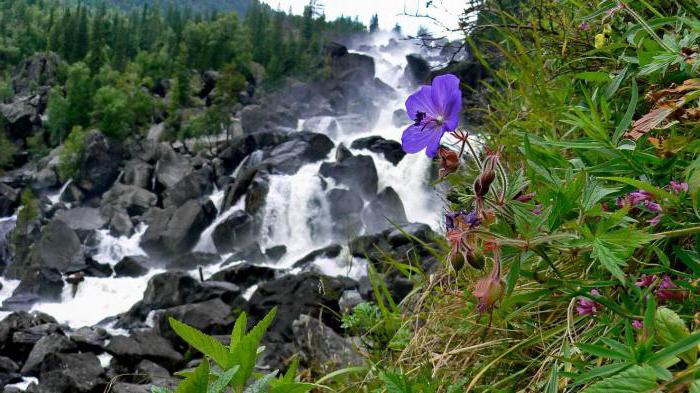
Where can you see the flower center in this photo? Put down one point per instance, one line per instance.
(440, 119)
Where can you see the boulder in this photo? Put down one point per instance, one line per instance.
(138, 173)
(331, 251)
(212, 317)
(342, 153)
(195, 185)
(170, 167)
(175, 231)
(417, 69)
(20, 116)
(9, 200)
(144, 345)
(209, 79)
(41, 69)
(18, 322)
(386, 208)
(256, 118)
(322, 349)
(392, 150)
(132, 266)
(71, 373)
(9, 371)
(294, 295)
(256, 196)
(100, 165)
(274, 254)
(133, 200)
(59, 247)
(302, 148)
(150, 372)
(170, 289)
(357, 172)
(345, 208)
(244, 275)
(335, 49)
(352, 67)
(235, 232)
(81, 219)
(90, 338)
(53, 343)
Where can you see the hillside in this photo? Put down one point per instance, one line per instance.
(197, 6)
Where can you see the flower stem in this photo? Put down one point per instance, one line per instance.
(679, 232)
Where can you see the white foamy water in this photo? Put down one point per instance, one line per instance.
(296, 214)
(55, 198)
(8, 286)
(96, 299)
(112, 249)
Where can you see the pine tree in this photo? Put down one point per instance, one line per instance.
(374, 24)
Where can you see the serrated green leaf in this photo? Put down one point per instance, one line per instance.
(261, 385)
(636, 379)
(203, 343)
(238, 331)
(608, 259)
(197, 382)
(658, 193)
(603, 352)
(245, 353)
(687, 344)
(222, 382)
(396, 383)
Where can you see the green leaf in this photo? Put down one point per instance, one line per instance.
(608, 259)
(203, 343)
(594, 192)
(687, 344)
(160, 389)
(636, 379)
(224, 379)
(593, 76)
(602, 352)
(261, 385)
(629, 114)
(245, 353)
(238, 331)
(396, 383)
(295, 387)
(197, 382)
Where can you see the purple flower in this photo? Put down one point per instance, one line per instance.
(652, 206)
(525, 198)
(584, 26)
(537, 210)
(461, 218)
(668, 290)
(679, 187)
(655, 221)
(640, 196)
(434, 110)
(587, 306)
(637, 324)
(645, 280)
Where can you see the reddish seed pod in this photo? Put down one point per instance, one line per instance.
(475, 260)
(483, 183)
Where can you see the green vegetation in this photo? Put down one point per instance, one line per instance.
(235, 362)
(585, 198)
(72, 154)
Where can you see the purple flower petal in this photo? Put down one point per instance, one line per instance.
(421, 101)
(417, 138)
(447, 97)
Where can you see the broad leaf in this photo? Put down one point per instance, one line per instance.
(262, 384)
(224, 379)
(636, 379)
(197, 382)
(203, 343)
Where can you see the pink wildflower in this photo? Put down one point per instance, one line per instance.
(587, 306)
(639, 196)
(668, 290)
(679, 187)
(637, 324)
(645, 280)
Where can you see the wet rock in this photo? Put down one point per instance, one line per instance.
(335, 49)
(120, 224)
(193, 260)
(322, 349)
(256, 118)
(331, 251)
(237, 189)
(144, 345)
(302, 148)
(358, 173)
(9, 371)
(421, 231)
(70, 373)
(53, 343)
(345, 209)
(176, 231)
(90, 338)
(349, 300)
(9, 200)
(192, 186)
(58, 248)
(237, 231)
(352, 67)
(138, 173)
(294, 295)
(125, 387)
(342, 153)
(274, 254)
(226, 291)
(386, 208)
(20, 116)
(134, 200)
(250, 253)
(256, 196)
(211, 317)
(132, 266)
(241, 147)
(96, 269)
(392, 150)
(170, 289)
(150, 372)
(244, 275)
(100, 165)
(37, 284)
(417, 69)
(170, 167)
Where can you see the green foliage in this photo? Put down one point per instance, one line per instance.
(7, 151)
(71, 156)
(112, 112)
(237, 362)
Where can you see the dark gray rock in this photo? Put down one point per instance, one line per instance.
(244, 275)
(321, 348)
(342, 153)
(331, 251)
(9, 200)
(138, 173)
(170, 289)
(193, 260)
(386, 208)
(18, 322)
(274, 254)
(192, 186)
(9, 372)
(53, 343)
(170, 167)
(352, 67)
(358, 173)
(256, 196)
(59, 247)
(176, 231)
(417, 69)
(211, 317)
(145, 345)
(131, 199)
(345, 208)
(100, 165)
(70, 373)
(41, 69)
(90, 338)
(82, 219)
(132, 266)
(400, 118)
(20, 116)
(237, 231)
(392, 150)
(306, 293)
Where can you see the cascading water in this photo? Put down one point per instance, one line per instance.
(296, 215)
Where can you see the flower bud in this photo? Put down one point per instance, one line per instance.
(457, 260)
(449, 161)
(483, 183)
(476, 260)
